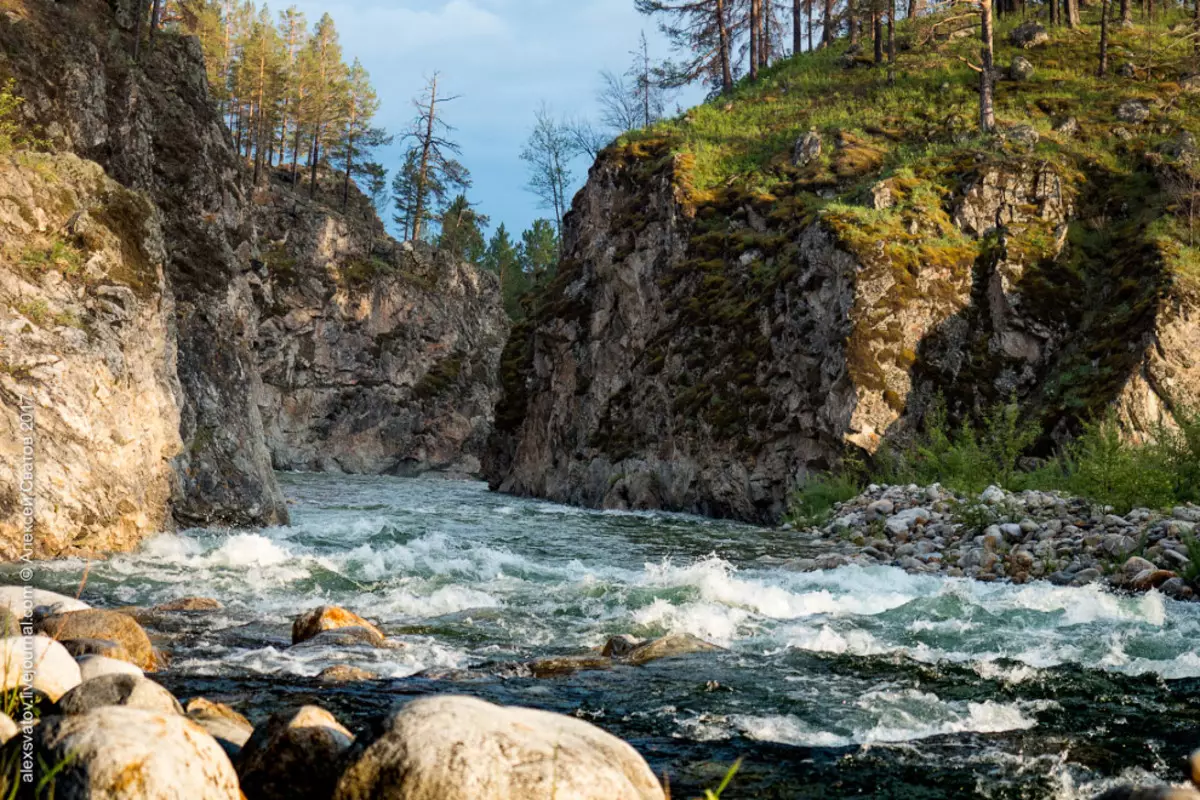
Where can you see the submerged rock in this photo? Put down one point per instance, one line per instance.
(119, 752)
(670, 646)
(118, 690)
(189, 604)
(620, 646)
(328, 618)
(344, 673)
(461, 748)
(293, 754)
(56, 672)
(565, 665)
(113, 626)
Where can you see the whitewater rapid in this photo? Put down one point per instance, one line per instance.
(848, 658)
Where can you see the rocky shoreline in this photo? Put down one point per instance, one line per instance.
(1019, 537)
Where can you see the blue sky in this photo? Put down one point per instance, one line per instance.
(504, 57)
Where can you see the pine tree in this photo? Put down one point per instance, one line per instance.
(430, 172)
(327, 91)
(503, 258)
(293, 31)
(539, 251)
(462, 231)
(357, 136)
(702, 30)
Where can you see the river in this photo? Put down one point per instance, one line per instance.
(845, 682)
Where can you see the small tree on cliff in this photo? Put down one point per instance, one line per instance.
(702, 31)
(539, 251)
(462, 230)
(503, 257)
(430, 171)
(357, 137)
(326, 99)
(548, 154)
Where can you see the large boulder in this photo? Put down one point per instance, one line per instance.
(462, 748)
(54, 671)
(228, 727)
(118, 690)
(93, 666)
(291, 755)
(670, 646)
(22, 601)
(128, 753)
(113, 626)
(1028, 34)
(189, 604)
(328, 618)
(1021, 69)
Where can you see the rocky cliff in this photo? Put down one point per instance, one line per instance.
(376, 356)
(714, 335)
(154, 130)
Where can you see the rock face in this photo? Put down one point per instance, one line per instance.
(376, 356)
(86, 322)
(161, 303)
(460, 748)
(707, 355)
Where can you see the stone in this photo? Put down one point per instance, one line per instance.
(21, 603)
(1136, 565)
(992, 495)
(1021, 69)
(99, 624)
(1177, 589)
(97, 647)
(1118, 544)
(290, 755)
(1190, 83)
(906, 520)
(1028, 34)
(1127, 70)
(228, 727)
(461, 748)
(807, 149)
(118, 690)
(93, 666)
(1149, 579)
(353, 636)
(880, 509)
(344, 673)
(622, 645)
(104, 753)
(555, 666)
(8, 728)
(1086, 576)
(56, 673)
(188, 604)
(1133, 111)
(327, 618)
(1067, 126)
(672, 645)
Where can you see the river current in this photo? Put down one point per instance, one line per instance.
(836, 683)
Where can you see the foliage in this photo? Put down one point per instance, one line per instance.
(813, 503)
(539, 251)
(548, 154)
(710, 794)
(1103, 466)
(503, 258)
(462, 231)
(430, 175)
(10, 128)
(56, 255)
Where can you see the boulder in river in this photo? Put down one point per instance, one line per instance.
(669, 646)
(462, 748)
(328, 618)
(621, 646)
(96, 647)
(292, 755)
(118, 690)
(192, 604)
(94, 623)
(554, 666)
(93, 666)
(55, 673)
(129, 753)
(344, 673)
(353, 636)
(228, 727)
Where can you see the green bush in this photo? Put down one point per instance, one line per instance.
(813, 503)
(10, 129)
(1103, 466)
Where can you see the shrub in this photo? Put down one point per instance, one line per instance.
(10, 129)
(1103, 466)
(813, 503)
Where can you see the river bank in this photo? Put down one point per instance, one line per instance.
(856, 679)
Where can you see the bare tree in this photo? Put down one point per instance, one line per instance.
(548, 155)
(586, 138)
(433, 149)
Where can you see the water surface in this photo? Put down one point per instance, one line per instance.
(837, 683)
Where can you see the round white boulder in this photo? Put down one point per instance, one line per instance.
(54, 671)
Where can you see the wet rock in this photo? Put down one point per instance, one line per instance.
(8, 728)
(906, 520)
(461, 748)
(669, 646)
(1135, 565)
(1177, 589)
(105, 753)
(1134, 112)
(566, 665)
(1028, 34)
(807, 149)
(1148, 793)
(96, 647)
(99, 624)
(1151, 579)
(353, 636)
(94, 666)
(621, 646)
(56, 673)
(118, 690)
(228, 727)
(343, 673)
(1021, 69)
(1086, 576)
(188, 604)
(292, 755)
(327, 618)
